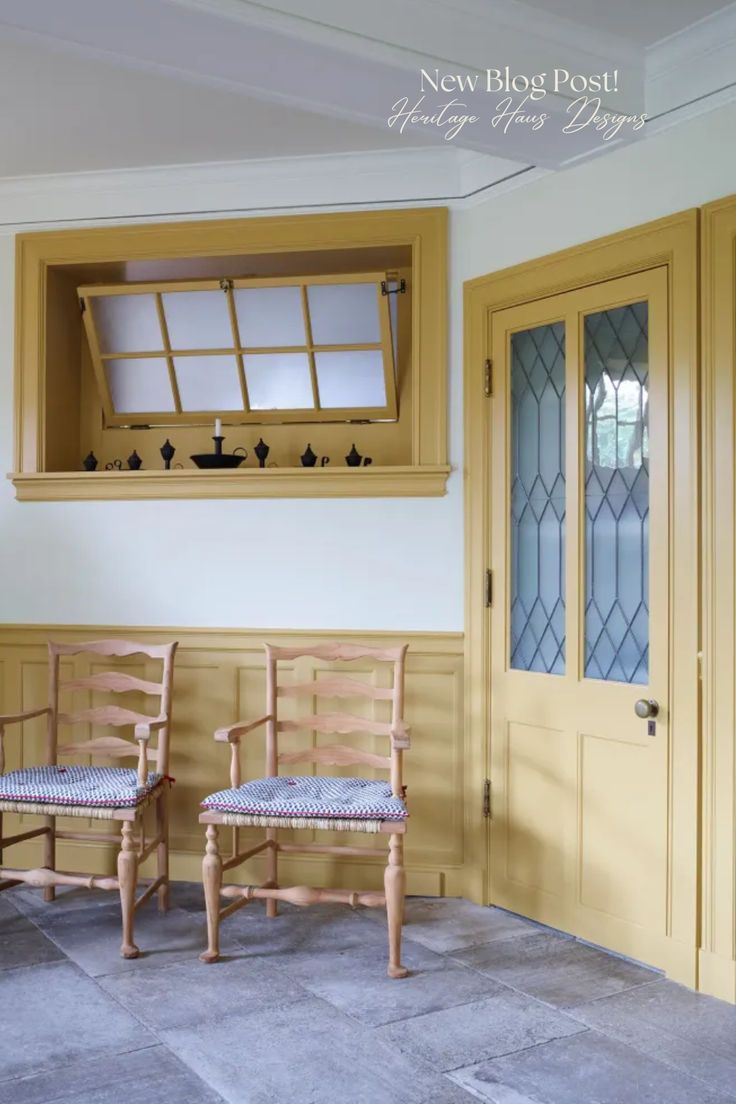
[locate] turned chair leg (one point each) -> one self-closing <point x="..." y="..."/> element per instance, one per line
<point x="162" y="850"/>
<point x="128" y="878"/>
<point x="212" y="880"/>
<point x="49" y="855"/>
<point x="272" y="875"/>
<point x="394" y="881"/>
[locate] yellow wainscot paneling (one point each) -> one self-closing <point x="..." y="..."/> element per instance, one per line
<point x="219" y="678"/>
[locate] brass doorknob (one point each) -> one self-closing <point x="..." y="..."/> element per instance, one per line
<point x="646" y="707"/>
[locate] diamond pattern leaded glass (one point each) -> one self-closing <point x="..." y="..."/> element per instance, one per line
<point x="538" y="499"/>
<point x="617" y="495"/>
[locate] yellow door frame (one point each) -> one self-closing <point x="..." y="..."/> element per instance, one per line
<point x="718" y="294"/>
<point x="670" y="242"/>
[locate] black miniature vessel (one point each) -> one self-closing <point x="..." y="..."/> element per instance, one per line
<point x="134" y="461"/>
<point x="354" y="459"/>
<point x="261" y="450"/>
<point x="309" y="457"/>
<point x="218" y="458"/>
<point x="90" y="462"/>
<point x="167" y="451"/>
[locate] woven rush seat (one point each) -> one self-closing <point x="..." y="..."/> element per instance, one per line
<point x="348" y="804"/>
<point x="74" y="791"/>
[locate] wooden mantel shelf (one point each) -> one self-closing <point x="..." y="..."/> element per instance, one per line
<point x="368" y="482"/>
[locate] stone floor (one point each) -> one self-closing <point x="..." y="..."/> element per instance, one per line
<point x="496" y="1009"/>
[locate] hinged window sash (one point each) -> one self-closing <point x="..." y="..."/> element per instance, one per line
<point x="293" y="349"/>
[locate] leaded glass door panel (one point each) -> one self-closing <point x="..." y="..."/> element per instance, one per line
<point x="579" y="646"/>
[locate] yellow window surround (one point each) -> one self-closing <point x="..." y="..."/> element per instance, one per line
<point x="59" y="416"/>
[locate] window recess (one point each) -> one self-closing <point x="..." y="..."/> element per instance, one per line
<point x="247" y="350"/>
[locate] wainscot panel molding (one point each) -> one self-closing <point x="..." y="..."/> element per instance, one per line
<point x="220" y="678"/>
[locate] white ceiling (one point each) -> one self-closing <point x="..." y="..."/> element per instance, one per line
<point x="99" y="84"/>
<point x="82" y="113"/>
<point x="641" y="21"/>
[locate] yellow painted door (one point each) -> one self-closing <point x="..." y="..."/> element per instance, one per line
<point x="579" y="622"/>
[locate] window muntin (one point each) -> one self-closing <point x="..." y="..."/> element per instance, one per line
<point x="317" y="348"/>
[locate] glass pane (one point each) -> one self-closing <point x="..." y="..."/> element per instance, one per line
<point x="351" y="379"/>
<point x="198" y="319"/>
<point x="538" y="499"/>
<point x="617" y="494"/>
<point x="127" y="323"/>
<point x="139" y="385"/>
<point x="279" y="381"/>
<point x="208" y="383"/>
<point x="344" y="314"/>
<point x="270" y="316"/>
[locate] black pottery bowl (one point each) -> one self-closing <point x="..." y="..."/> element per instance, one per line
<point x="212" y="460"/>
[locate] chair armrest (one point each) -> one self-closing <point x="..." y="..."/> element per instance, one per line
<point x="400" y="737"/>
<point x="231" y="734"/>
<point x="144" y="729"/>
<point x="17" y="718"/>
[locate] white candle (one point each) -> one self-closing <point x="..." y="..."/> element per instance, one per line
<point x="218" y="427"/>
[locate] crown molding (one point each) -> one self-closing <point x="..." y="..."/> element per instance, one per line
<point x="693" y="67"/>
<point x="423" y="176"/>
<point x="477" y="22"/>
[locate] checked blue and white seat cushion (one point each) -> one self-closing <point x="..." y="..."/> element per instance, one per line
<point x="305" y="798"/>
<point x="84" y="787"/>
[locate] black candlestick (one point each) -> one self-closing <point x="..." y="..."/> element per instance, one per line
<point x="218" y="445"/>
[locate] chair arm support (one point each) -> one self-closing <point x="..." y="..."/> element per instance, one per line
<point x="143" y="732"/>
<point x="231" y="734"/>
<point x="400" y="737"/>
<point x="144" y="729"/>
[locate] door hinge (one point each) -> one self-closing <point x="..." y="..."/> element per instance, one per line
<point x="489" y="588"/>
<point x="82" y="306"/>
<point x="488" y="378"/>
<point x="487" y="797"/>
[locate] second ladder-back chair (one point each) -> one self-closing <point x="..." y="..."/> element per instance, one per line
<point x="333" y="803"/>
<point x="100" y="792"/>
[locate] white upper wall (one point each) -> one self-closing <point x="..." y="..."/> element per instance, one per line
<point x="311" y="564"/>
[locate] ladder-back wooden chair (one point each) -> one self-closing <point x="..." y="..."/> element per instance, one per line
<point x="100" y="792"/>
<point x="309" y="801"/>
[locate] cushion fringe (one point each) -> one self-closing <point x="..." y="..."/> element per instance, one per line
<point x="94" y="812"/>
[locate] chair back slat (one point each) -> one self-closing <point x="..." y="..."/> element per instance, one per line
<point x="117" y="681"/>
<point x="337" y="755"/>
<point x="105" y="715"/>
<point x="111" y="714"/>
<point x="338" y="686"/>
<point x="118" y="648"/>
<point x="337" y="651"/>
<point x="110" y="746"/>
<point x="335" y="688"/>
<point x="331" y="723"/>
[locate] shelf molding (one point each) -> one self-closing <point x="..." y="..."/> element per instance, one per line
<point x="427" y="480"/>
